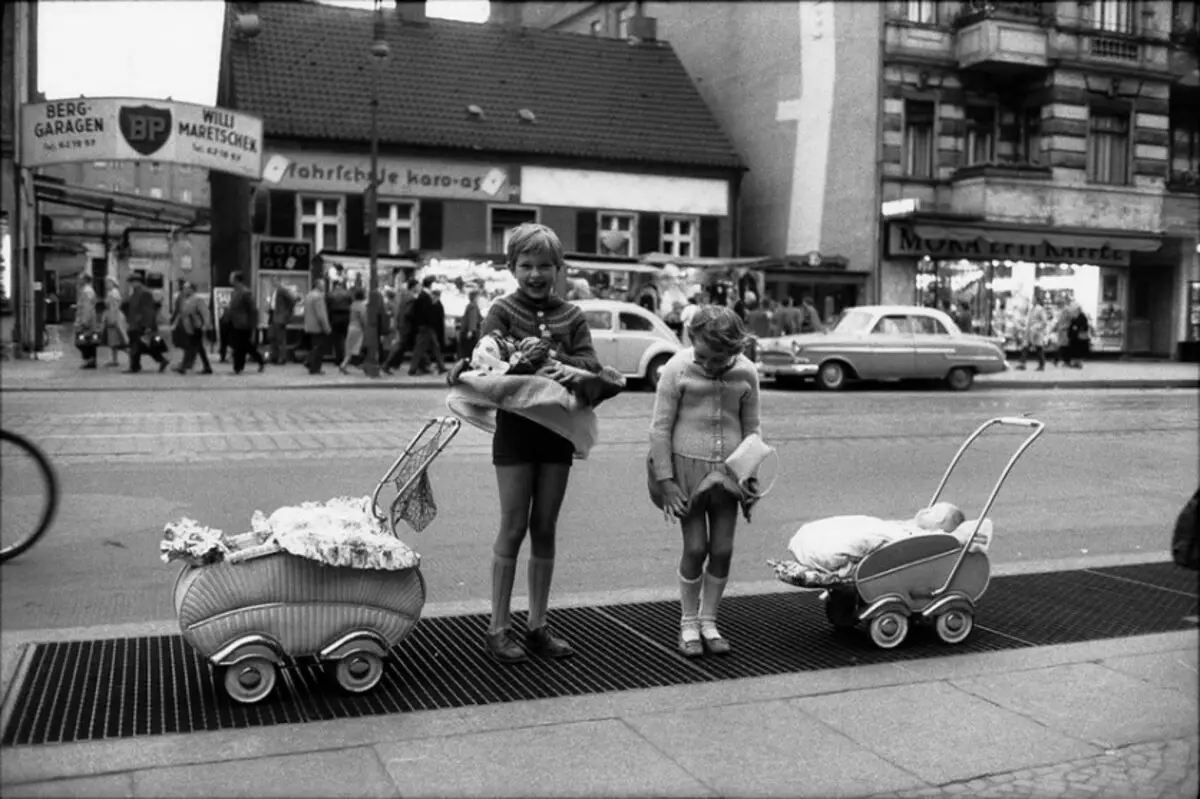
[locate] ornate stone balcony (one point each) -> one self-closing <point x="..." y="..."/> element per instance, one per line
<point x="1002" y="36"/>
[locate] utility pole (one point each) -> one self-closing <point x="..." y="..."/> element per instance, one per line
<point x="379" y="51"/>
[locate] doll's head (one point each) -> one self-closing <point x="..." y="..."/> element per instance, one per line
<point x="942" y="516"/>
<point x="718" y="337"/>
<point x="535" y="256"/>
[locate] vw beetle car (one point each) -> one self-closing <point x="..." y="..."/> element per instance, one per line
<point x="882" y="342"/>
<point x="629" y="338"/>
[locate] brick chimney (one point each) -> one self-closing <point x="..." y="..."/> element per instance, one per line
<point x="506" y="15"/>
<point x="411" y="10"/>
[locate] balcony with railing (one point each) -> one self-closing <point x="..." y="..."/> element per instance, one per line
<point x="1002" y="36"/>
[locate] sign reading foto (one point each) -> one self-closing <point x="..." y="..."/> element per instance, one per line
<point x="124" y="129"/>
<point x="398" y="177"/>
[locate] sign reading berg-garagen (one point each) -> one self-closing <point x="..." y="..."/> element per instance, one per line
<point x="123" y="129"/>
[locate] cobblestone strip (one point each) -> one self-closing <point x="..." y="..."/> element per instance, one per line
<point x="1158" y="770"/>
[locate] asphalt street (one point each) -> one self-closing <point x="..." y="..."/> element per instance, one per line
<point x="1108" y="477"/>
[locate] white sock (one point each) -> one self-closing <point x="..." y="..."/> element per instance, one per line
<point x="710" y="600"/>
<point x="689" y="600"/>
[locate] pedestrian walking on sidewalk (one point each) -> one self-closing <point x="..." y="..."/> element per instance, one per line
<point x="337" y="304"/>
<point x="429" y="339"/>
<point x="356" y="331"/>
<point x="116" y="333"/>
<point x="405" y="332"/>
<point x="87" y="321"/>
<point x="1079" y="336"/>
<point x="1033" y="333"/>
<point x="143" y="327"/>
<point x="243" y="318"/>
<point x="706" y="404"/>
<point x="192" y="312"/>
<point x="533" y="463"/>
<point x="316" y="327"/>
<point x="283" y="305"/>
<point x="1058" y="331"/>
<point x="469" y="325"/>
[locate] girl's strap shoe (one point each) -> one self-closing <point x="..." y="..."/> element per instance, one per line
<point x="715" y="644"/>
<point x="504" y="649"/>
<point x="545" y="643"/>
<point x="690" y="647"/>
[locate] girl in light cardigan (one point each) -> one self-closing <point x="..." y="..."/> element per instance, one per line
<point x="707" y="403"/>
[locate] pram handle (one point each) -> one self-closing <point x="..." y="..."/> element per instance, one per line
<point x="1013" y="421"/>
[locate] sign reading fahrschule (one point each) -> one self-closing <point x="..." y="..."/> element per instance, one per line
<point x="124" y="129"/>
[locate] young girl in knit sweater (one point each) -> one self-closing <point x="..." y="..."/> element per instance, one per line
<point x="532" y="462"/>
<point x="707" y="403"/>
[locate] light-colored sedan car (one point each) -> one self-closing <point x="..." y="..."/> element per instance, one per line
<point x="629" y="338"/>
<point x="882" y="342"/>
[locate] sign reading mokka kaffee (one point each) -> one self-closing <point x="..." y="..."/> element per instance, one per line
<point x="398" y="177"/>
<point x="905" y="243"/>
<point x="131" y="129"/>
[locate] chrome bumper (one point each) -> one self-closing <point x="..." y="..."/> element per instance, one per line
<point x="787" y="370"/>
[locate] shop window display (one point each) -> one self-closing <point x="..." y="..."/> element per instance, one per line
<point x="991" y="298"/>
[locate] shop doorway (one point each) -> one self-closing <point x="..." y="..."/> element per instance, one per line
<point x="1150" y="290"/>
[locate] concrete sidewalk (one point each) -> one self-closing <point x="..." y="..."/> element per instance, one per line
<point x="58" y="370"/>
<point x="1113" y="718"/>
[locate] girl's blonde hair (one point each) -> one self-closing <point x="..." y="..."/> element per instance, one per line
<point x="720" y="328"/>
<point x="532" y="238"/>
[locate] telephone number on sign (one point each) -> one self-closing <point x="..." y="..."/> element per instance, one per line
<point x="68" y="144"/>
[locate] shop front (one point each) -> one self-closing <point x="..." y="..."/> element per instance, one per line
<point x="987" y="278"/>
<point x="827" y="279"/>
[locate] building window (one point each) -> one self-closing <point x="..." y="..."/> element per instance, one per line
<point x="918" y="138"/>
<point x="502" y="220"/>
<point x="623" y="17"/>
<point x="395" y="227"/>
<point x="1108" y="15"/>
<point x="621" y="223"/>
<point x="679" y="236"/>
<point x="1031" y="135"/>
<point x="981" y="134"/>
<point x="1185" y="143"/>
<point x="320" y="221"/>
<point x="921" y="11"/>
<point x="595" y="27"/>
<point x="156" y="192"/>
<point x="1108" y="148"/>
<point x="185" y="196"/>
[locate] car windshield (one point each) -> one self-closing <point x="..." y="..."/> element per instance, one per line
<point x="853" y="321"/>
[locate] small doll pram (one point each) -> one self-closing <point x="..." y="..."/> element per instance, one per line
<point x="250" y="607"/>
<point x="929" y="578"/>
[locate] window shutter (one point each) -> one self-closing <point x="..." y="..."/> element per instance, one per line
<point x="649" y="233"/>
<point x="430" y="225"/>
<point x="586" y="230"/>
<point x="283" y="214"/>
<point x="356" y="218"/>
<point x="710" y="236"/>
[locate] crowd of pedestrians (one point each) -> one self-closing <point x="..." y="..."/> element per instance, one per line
<point x="411" y="325"/>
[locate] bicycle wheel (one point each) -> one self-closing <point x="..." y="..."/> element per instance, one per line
<point x="28" y="494"/>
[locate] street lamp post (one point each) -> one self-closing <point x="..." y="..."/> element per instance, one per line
<point x="379" y="51"/>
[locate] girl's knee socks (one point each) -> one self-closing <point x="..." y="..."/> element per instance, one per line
<point x="541" y="571"/>
<point x="504" y="570"/>
<point x="710" y="600"/>
<point x="689" y="600"/>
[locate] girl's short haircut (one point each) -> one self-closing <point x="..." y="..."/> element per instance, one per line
<point x="720" y="328"/>
<point x="532" y="238"/>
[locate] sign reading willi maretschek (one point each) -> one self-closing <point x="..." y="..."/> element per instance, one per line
<point x="124" y="129"/>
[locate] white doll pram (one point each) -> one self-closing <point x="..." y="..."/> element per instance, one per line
<point x="931" y="578"/>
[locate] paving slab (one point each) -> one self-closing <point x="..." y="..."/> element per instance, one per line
<point x="768" y="749"/>
<point x="1091" y="703"/>
<point x="339" y="772"/>
<point x="1177" y="670"/>
<point x="941" y="733"/>
<point x="107" y="786"/>
<point x="593" y="758"/>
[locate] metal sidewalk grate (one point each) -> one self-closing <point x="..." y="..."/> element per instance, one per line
<point x="123" y="688"/>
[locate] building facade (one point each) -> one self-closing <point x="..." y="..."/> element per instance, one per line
<point x="795" y="84"/>
<point x="18" y="82"/>
<point x="1016" y="148"/>
<point x="479" y="127"/>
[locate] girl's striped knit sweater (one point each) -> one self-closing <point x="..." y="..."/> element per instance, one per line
<point x="517" y="316"/>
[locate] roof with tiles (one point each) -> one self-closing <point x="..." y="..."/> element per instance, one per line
<point x="308" y="75"/>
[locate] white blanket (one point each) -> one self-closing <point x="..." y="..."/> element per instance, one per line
<point x="828" y="545"/>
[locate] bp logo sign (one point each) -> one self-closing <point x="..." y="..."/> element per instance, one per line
<point x="145" y="128"/>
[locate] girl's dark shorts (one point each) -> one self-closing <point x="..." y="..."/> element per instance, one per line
<point x="519" y="440"/>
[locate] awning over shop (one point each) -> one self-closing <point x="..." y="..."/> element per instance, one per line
<point x="130" y="206"/>
<point x="609" y="266"/>
<point x="1116" y="240"/>
<point x="661" y="259"/>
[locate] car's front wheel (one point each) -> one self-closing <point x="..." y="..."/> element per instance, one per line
<point x="960" y="378"/>
<point x="654" y="369"/>
<point x="832" y="376"/>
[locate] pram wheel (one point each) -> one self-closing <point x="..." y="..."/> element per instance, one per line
<point x="888" y="629"/>
<point x="954" y="626"/>
<point x="250" y="680"/>
<point x="841" y="608"/>
<point x="358" y="672"/>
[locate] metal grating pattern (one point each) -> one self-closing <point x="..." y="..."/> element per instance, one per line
<point x="123" y="688"/>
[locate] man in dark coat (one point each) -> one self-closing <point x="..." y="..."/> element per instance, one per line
<point x="283" y="305"/>
<point x="428" y="346"/>
<point x="337" y="302"/>
<point x="142" y="322"/>
<point x="406" y="332"/>
<point x="243" y="319"/>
